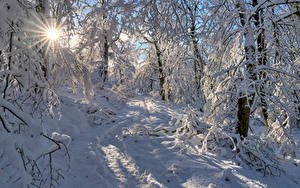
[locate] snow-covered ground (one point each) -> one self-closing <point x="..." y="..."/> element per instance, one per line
<point x="121" y="142"/>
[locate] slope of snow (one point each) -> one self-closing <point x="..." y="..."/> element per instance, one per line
<point x="114" y="144"/>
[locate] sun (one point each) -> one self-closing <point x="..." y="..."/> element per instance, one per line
<point x="52" y="34"/>
<point x="45" y="33"/>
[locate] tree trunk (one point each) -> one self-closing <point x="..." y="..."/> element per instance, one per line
<point x="243" y="117"/>
<point x="245" y="102"/>
<point x="105" y="60"/>
<point x="105" y="50"/>
<point x="161" y="73"/>
<point x="197" y="58"/>
<point x="198" y="61"/>
<point x="262" y="60"/>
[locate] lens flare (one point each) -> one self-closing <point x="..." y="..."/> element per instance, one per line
<point x="52" y="34"/>
<point x="45" y="33"/>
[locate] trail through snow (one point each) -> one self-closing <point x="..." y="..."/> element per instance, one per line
<point x="123" y="152"/>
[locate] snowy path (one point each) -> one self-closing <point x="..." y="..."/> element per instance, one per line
<point x="104" y="161"/>
<point x="122" y="154"/>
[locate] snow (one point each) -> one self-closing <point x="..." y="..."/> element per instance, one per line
<point x="52" y="137"/>
<point x="136" y="148"/>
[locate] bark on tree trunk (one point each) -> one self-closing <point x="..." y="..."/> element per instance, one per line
<point x="161" y="72"/>
<point x="105" y="50"/>
<point x="105" y="61"/>
<point x="262" y="59"/>
<point x="198" y="69"/>
<point x="245" y="102"/>
<point x="243" y="117"/>
<point x="198" y="61"/>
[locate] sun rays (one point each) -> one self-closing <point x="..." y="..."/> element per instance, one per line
<point x="52" y="34"/>
<point x="45" y="33"/>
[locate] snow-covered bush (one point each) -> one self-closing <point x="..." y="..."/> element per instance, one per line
<point x="189" y="124"/>
<point x="140" y="130"/>
<point x="267" y="151"/>
<point x="29" y="154"/>
<point x="264" y="151"/>
<point x="285" y="144"/>
<point x="124" y="90"/>
<point x="99" y="116"/>
<point x="258" y="153"/>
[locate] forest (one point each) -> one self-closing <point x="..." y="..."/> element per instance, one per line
<point x="149" y="93"/>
